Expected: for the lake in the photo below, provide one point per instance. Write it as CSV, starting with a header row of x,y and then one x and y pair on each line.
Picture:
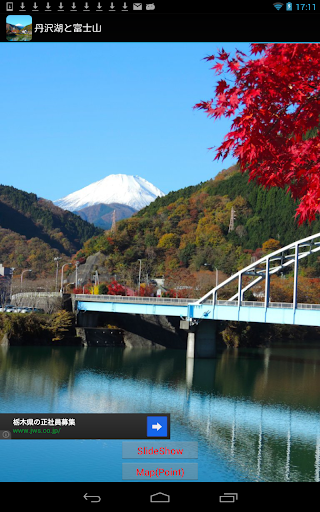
x,y
253,412
19,38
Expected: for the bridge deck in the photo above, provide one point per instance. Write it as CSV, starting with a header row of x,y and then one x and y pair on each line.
x,y
276,312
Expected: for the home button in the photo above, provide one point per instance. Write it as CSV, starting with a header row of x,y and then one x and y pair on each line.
x,y
160,497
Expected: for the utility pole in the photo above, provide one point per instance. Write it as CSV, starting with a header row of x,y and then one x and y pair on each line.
x,y
77,265
57,270
28,270
61,289
217,272
217,276
114,227
232,217
139,277
11,278
95,278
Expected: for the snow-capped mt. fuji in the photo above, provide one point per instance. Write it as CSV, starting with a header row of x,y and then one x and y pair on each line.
x,y
132,191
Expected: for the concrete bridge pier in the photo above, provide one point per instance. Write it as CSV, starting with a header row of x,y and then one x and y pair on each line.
x,y
201,341
87,319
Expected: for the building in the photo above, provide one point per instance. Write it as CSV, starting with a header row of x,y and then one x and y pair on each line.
x,y
5,284
5,271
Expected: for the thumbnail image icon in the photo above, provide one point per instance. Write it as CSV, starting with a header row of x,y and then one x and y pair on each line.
x,y
19,28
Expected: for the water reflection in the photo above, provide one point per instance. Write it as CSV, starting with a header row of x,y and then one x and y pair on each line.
x,y
258,410
18,38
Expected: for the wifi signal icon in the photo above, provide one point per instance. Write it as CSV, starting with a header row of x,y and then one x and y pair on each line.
x,y
278,5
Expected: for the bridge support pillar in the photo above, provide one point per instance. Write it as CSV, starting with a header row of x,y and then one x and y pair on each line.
x,y
201,341
87,319
191,342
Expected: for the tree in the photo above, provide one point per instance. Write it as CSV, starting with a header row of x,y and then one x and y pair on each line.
x,y
115,288
271,245
103,289
147,290
274,101
60,322
168,240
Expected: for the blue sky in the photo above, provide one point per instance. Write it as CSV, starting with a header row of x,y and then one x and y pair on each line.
x,y
16,19
77,112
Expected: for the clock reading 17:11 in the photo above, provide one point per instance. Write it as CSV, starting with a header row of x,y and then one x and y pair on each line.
x,y
306,7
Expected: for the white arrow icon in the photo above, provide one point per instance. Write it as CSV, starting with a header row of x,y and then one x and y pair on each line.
x,y
157,426
22,5
111,6
86,497
48,5
86,5
73,6
99,6
35,6
124,5
60,5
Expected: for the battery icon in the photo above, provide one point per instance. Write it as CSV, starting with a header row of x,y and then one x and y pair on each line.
x,y
228,497
288,6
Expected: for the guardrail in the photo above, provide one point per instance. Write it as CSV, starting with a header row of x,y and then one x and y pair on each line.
x,y
256,304
134,300
36,294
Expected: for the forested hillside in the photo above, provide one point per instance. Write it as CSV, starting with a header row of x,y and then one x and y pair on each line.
x,y
188,230
34,230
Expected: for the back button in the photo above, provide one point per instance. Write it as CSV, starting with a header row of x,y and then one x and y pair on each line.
x,y
92,499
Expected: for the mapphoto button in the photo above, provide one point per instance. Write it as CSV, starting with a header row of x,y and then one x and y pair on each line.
x,y
156,471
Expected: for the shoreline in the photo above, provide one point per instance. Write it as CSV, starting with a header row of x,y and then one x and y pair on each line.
x,y
137,331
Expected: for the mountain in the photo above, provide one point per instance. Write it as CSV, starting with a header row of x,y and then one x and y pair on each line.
x,y
123,189
28,28
33,231
101,215
12,28
189,231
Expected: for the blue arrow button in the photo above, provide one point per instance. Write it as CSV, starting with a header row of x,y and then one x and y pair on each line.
x,y
157,426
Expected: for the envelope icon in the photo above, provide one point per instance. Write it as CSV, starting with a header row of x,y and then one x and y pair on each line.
x,y
137,7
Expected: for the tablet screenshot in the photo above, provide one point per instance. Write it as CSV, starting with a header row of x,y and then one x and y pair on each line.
x,y
159,253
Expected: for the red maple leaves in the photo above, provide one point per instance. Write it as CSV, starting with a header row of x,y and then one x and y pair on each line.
x,y
274,101
115,288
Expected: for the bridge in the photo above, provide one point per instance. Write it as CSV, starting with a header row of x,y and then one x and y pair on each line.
x,y
201,335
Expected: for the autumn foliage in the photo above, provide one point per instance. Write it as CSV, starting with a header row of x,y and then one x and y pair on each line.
x,y
115,288
274,102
